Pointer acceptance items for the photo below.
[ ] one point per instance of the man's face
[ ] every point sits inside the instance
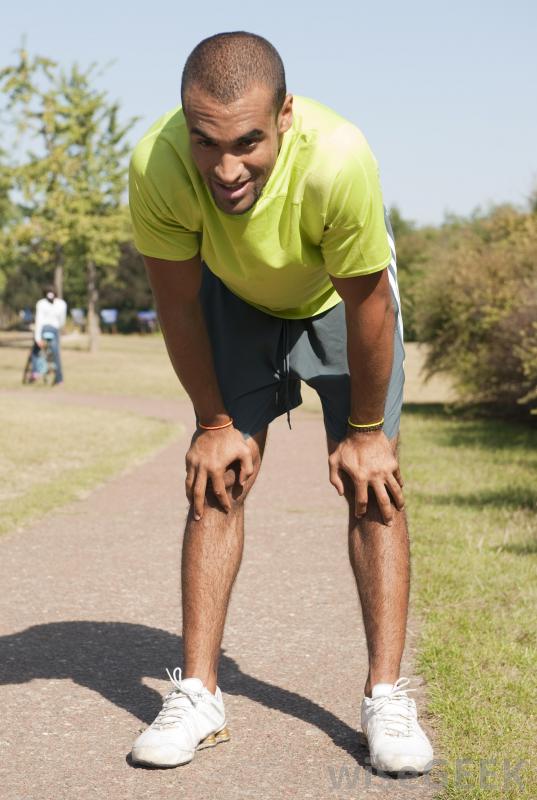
(235, 146)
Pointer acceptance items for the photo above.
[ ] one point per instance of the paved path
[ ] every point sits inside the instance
(90, 616)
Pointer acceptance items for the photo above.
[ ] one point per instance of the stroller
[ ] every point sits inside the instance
(45, 365)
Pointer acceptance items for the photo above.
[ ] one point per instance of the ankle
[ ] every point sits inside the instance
(207, 678)
(380, 677)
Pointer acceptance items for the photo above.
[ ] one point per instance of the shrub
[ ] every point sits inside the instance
(476, 306)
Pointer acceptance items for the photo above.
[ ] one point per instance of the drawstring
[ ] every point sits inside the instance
(286, 368)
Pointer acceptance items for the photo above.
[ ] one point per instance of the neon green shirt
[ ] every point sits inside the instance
(320, 213)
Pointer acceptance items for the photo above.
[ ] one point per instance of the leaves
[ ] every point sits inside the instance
(62, 194)
(476, 306)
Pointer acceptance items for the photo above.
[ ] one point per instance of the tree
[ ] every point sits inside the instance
(8, 215)
(412, 245)
(71, 182)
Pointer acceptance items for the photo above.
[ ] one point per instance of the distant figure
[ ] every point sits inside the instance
(50, 315)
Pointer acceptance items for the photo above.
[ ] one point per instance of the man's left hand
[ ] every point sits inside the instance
(369, 461)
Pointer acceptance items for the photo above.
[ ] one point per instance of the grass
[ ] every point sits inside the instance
(125, 365)
(470, 489)
(49, 455)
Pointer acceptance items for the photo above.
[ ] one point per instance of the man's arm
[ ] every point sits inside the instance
(368, 457)
(370, 327)
(176, 286)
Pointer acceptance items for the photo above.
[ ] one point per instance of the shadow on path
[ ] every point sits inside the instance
(112, 658)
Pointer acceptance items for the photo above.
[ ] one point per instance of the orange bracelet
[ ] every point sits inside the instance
(215, 427)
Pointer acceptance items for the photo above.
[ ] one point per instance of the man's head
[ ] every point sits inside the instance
(49, 292)
(237, 110)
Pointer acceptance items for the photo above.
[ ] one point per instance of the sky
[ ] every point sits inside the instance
(445, 92)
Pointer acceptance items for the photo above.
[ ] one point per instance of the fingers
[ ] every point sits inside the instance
(387, 492)
(189, 481)
(384, 500)
(335, 478)
(394, 487)
(360, 497)
(384, 503)
(198, 496)
(398, 477)
(219, 490)
(247, 467)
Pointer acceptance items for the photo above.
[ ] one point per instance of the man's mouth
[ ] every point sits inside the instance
(231, 191)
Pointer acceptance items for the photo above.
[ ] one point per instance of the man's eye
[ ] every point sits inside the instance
(204, 143)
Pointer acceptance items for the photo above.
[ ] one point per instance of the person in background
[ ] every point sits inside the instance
(50, 316)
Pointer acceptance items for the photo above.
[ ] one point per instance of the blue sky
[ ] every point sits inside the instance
(444, 92)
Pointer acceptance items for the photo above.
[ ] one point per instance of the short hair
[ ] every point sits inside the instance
(226, 65)
(48, 288)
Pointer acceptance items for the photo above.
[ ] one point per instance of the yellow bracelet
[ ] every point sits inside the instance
(369, 425)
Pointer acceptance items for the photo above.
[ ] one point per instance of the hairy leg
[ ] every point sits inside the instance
(380, 560)
(211, 557)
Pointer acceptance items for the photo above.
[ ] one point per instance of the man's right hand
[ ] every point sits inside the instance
(210, 455)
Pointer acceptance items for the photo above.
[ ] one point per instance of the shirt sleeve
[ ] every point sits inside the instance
(355, 241)
(62, 315)
(154, 198)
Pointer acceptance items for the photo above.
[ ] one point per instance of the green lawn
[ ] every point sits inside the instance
(124, 365)
(50, 454)
(472, 497)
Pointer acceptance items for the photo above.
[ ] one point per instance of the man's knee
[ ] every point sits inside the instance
(373, 509)
(236, 493)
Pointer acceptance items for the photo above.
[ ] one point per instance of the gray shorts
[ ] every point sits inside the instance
(261, 359)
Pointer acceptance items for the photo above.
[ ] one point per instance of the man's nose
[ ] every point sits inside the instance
(228, 170)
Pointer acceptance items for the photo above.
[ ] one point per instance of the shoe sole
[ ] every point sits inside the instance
(214, 739)
(210, 741)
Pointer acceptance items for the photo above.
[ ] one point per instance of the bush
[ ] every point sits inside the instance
(412, 245)
(476, 306)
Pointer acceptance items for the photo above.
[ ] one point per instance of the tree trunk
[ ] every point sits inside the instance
(93, 297)
(58, 272)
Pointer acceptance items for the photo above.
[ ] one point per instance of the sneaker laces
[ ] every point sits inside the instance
(177, 703)
(396, 710)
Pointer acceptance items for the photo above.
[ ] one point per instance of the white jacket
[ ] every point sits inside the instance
(47, 313)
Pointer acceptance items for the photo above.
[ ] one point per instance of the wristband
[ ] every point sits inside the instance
(215, 427)
(371, 426)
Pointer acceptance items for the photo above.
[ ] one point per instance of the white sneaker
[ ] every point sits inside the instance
(396, 741)
(191, 719)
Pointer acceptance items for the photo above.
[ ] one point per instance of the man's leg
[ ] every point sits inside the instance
(212, 552)
(379, 557)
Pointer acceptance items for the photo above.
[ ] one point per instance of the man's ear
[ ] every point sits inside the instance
(285, 117)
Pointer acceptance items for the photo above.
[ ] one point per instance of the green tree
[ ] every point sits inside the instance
(8, 215)
(71, 183)
(477, 309)
(413, 245)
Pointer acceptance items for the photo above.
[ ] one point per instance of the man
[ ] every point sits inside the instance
(50, 315)
(261, 222)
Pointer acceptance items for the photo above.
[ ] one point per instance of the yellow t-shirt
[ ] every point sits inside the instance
(320, 213)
